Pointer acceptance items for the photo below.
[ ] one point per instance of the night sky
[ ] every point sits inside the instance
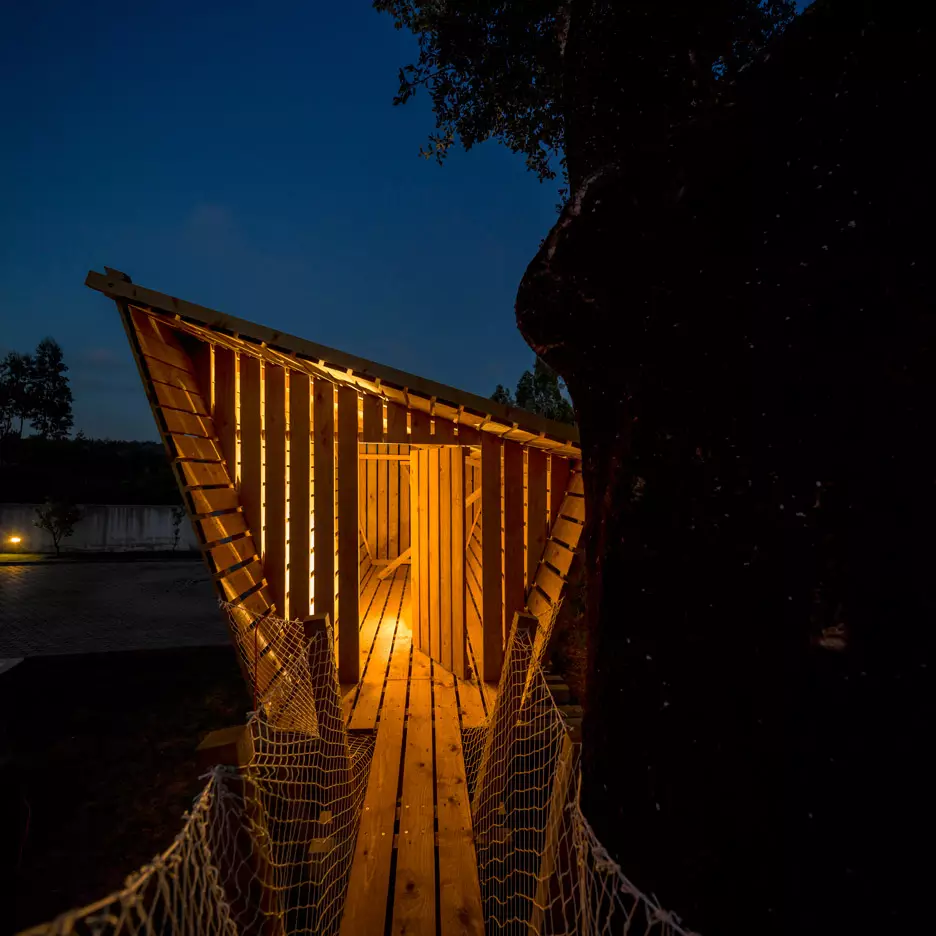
(247, 156)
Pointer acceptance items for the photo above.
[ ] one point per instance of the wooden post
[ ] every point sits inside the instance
(225, 406)
(349, 584)
(420, 427)
(373, 419)
(492, 631)
(274, 559)
(251, 442)
(323, 459)
(396, 423)
(492, 773)
(300, 495)
(513, 530)
(459, 566)
(537, 515)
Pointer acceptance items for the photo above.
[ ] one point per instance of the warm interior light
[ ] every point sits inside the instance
(15, 539)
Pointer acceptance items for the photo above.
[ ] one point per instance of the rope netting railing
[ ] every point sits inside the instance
(541, 868)
(267, 848)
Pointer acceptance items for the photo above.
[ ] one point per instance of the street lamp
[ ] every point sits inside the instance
(15, 541)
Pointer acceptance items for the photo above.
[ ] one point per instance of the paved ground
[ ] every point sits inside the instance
(102, 606)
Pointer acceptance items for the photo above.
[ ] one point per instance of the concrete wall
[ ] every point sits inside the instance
(103, 528)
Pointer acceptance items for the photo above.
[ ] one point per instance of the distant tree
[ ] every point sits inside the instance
(539, 391)
(17, 393)
(51, 415)
(58, 518)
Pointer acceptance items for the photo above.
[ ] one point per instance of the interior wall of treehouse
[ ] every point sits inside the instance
(384, 498)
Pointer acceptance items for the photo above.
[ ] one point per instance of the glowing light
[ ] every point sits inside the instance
(15, 540)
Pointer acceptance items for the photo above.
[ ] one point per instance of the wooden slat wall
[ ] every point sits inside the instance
(348, 536)
(384, 499)
(513, 532)
(251, 444)
(275, 507)
(536, 512)
(492, 633)
(300, 495)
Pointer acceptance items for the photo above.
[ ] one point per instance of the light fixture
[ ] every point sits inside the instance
(15, 540)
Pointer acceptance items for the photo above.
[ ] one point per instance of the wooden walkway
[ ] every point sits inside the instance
(414, 864)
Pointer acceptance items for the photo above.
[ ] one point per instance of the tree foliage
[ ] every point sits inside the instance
(538, 391)
(58, 518)
(494, 69)
(35, 390)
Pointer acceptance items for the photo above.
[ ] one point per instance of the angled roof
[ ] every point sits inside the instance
(388, 383)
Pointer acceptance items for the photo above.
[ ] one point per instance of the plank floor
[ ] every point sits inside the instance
(414, 868)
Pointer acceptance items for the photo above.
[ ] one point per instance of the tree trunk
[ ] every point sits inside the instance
(746, 328)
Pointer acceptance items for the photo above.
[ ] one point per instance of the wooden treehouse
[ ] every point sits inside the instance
(419, 517)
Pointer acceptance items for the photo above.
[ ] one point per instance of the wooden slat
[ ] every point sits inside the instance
(225, 406)
(558, 556)
(383, 507)
(156, 340)
(237, 582)
(228, 554)
(195, 447)
(210, 500)
(187, 424)
(348, 569)
(251, 442)
(457, 552)
(420, 427)
(200, 474)
(444, 431)
(180, 399)
(573, 506)
(222, 527)
(513, 530)
(174, 376)
(393, 498)
(414, 904)
(377, 632)
(435, 558)
(492, 651)
(468, 435)
(416, 570)
(537, 515)
(373, 419)
(370, 527)
(365, 906)
(568, 531)
(549, 582)
(443, 653)
(396, 423)
(425, 559)
(394, 564)
(559, 471)
(459, 890)
(405, 537)
(300, 494)
(577, 483)
(323, 457)
(274, 557)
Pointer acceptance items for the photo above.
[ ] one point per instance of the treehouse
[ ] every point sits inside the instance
(307, 472)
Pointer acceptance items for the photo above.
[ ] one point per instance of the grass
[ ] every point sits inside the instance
(98, 752)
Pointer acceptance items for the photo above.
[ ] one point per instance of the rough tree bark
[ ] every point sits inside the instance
(742, 311)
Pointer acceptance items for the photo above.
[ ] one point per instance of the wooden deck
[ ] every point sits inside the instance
(414, 863)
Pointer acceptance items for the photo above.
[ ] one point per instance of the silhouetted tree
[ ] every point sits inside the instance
(538, 391)
(51, 415)
(58, 519)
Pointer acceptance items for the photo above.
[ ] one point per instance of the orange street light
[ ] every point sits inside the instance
(15, 540)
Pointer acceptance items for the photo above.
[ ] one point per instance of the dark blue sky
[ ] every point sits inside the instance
(247, 156)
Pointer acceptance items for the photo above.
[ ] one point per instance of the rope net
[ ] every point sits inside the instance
(267, 847)
(540, 866)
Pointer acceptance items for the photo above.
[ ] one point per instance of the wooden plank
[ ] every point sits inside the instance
(435, 559)
(251, 445)
(349, 584)
(420, 426)
(559, 470)
(457, 552)
(468, 435)
(550, 583)
(459, 890)
(414, 904)
(425, 560)
(370, 519)
(514, 592)
(558, 556)
(365, 906)
(396, 423)
(201, 474)
(222, 527)
(187, 423)
(180, 399)
(492, 628)
(211, 500)
(372, 430)
(224, 414)
(174, 376)
(240, 580)
(537, 513)
(444, 431)
(156, 341)
(573, 506)
(323, 457)
(394, 564)
(416, 572)
(405, 539)
(274, 557)
(576, 483)
(225, 555)
(383, 509)
(393, 503)
(195, 447)
(567, 531)
(300, 495)
(443, 652)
